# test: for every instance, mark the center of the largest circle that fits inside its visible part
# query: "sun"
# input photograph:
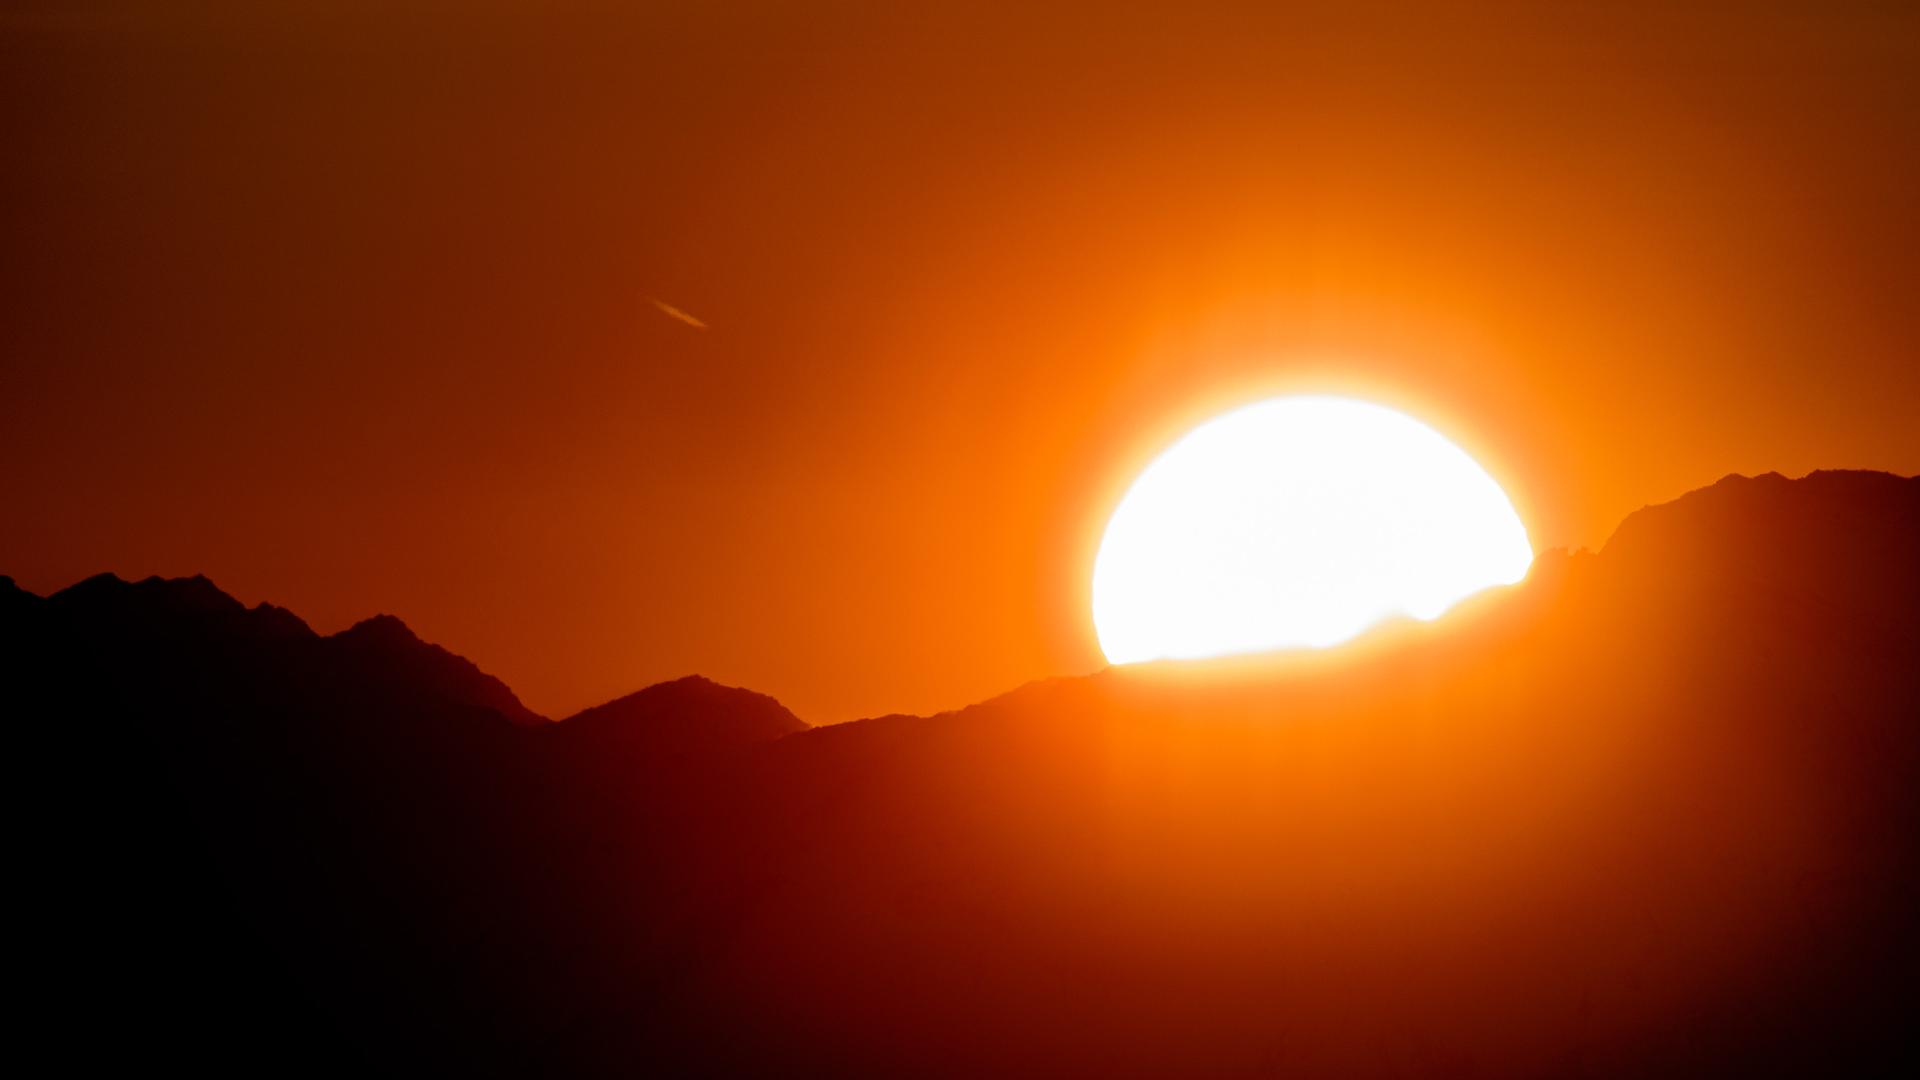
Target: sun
(1297, 522)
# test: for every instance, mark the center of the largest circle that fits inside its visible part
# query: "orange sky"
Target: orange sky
(357, 310)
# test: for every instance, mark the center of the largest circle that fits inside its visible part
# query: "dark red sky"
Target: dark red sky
(350, 306)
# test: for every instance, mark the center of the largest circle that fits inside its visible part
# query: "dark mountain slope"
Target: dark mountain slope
(1803, 541)
(384, 653)
(241, 821)
(1651, 812)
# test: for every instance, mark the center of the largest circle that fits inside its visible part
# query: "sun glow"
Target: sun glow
(1297, 521)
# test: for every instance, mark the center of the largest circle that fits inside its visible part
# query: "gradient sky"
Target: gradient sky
(808, 345)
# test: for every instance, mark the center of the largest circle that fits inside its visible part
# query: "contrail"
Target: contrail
(675, 313)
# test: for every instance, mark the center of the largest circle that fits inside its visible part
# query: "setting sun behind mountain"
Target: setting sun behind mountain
(1298, 521)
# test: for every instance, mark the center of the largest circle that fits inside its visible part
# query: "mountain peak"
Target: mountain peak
(380, 629)
(689, 713)
(278, 621)
(157, 602)
(387, 650)
(15, 598)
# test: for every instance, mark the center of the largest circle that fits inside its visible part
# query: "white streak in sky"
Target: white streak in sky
(672, 312)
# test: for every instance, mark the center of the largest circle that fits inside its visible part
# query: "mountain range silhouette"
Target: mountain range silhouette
(1653, 812)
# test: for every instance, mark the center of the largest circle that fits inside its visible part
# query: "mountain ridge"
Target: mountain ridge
(381, 641)
(1650, 812)
(199, 596)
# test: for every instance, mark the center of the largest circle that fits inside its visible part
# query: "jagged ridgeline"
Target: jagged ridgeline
(1652, 811)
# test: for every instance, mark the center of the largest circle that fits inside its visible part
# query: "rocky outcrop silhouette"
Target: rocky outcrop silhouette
(1652, 812)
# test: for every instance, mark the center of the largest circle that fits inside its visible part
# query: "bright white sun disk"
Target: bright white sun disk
(1298, 521)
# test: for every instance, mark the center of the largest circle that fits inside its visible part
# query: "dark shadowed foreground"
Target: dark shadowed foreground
(1652, 812)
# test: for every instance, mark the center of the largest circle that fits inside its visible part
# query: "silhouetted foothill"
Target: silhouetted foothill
(1652, 812)
(692, 713)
